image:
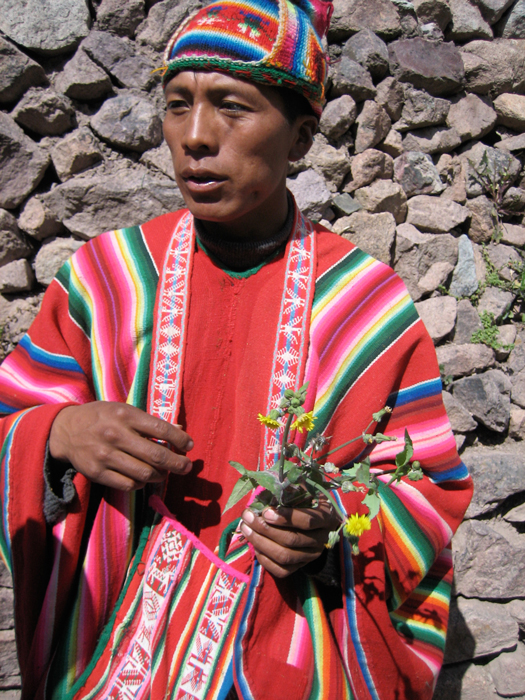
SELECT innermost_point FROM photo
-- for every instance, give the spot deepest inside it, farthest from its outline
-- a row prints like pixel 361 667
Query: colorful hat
pixel 274 42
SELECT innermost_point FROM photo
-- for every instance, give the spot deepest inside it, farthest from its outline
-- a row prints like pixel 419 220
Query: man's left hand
pixel 285 539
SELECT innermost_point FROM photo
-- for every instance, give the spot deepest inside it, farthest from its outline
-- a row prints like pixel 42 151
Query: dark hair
pixel 294 104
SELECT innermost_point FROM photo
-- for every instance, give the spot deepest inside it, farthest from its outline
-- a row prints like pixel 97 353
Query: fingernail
pixel 270 514
pixel 247 531
pixel 189 445
pixel 248 516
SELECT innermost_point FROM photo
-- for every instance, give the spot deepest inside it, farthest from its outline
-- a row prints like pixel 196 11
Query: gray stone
pixel 508 672
pixel 472 117
pixel 517 610
pixel 517 427
pixel 370 51
pixel 350 78
pixel 512 26
pixel 487 396
pixel 489 561
pixel 338 116
pixel 460 360
pixel 506 338
pixel 368 166
pixel 518 388
pixel 511 110
pixel 439 315
pixel 466 681
pixel 516 362
pixel 18 72
pixel 160 159
pixel 428 65
pixel 6 609
pixel 37 220
pixel 373 124
pixel 10 677
pixel 351 16
pixel 467 22
pixel 421 110
pixel 436 276
pixel 13 245
pixel 117 56
pixel 15 318
pixel 478 628
pixel 460 419
pixel 52 255
pixel 494 66
pixel 391 96
pixel 345 204
pixel 392 144
pixel 44 111
pixel 128 122
pixel 74 153
pixel 433 12
pixel 503 257
pixel 22 163
pixel 5 577
pixel 495 301
pixel 120 16
pixel 373 233
pixel 434 214
pixel 381 196
pixel 492 10
pixel 433 139
pixel 483 219
pixel 16 276
pixel 81 79
pixel 452 173
pixel 163 18
pixel 514 200
pixel 332 163
pixel 311 194
pixel 467 322
pixel 46 26
pixel 517 514
pixel 117 196
pixel 417 174
pixel 486 167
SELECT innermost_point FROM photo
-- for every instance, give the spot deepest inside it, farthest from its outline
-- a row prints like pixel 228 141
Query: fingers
pixel 153 427
pixel 289 537
pixel 318 518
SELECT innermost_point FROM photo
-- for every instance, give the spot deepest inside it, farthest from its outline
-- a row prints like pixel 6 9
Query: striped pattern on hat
pixel 274 42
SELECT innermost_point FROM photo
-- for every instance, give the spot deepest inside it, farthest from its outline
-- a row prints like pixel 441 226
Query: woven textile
pixel 274 42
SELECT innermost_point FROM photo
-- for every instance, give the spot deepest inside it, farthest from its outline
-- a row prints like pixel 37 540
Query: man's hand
pixel 109 443
pixel 288 538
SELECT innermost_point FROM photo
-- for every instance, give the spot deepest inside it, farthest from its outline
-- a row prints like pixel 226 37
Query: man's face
pixel 230 143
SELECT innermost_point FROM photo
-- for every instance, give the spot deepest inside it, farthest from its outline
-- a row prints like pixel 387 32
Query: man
pixel 160 344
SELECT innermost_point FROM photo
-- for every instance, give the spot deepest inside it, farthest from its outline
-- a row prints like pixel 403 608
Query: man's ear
pixel 304 131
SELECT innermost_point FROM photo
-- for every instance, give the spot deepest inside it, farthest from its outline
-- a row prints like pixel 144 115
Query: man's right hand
pixel 111 444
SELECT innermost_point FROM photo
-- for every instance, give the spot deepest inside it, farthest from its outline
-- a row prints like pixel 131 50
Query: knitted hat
pixel 274 42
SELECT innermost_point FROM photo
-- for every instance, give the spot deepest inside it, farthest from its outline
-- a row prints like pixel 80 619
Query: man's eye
pixel 231 106
pixel 177 104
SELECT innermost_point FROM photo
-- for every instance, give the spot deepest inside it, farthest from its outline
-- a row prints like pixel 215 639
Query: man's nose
pixel 201 133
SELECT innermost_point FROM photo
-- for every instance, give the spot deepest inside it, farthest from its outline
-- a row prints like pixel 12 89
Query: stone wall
pixel 419 160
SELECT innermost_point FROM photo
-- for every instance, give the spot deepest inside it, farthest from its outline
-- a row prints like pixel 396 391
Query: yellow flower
pixel 270 422
pixel 357 524
pixel 306 421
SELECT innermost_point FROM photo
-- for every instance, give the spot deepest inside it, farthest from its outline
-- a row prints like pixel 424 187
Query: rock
pixel 373 233
pixel 436 276
pixel 421 109
pixel 452 172
pixel 6 609
pixel 511 110
pixel 508 672
pixel 513 143
pixel 351 16
pixel 160 158
pixel 487 167
pixel 392 144
pixel 483 221
pixel 472 117
pixel 514 199
pixel 435 215
pixel 467 22
pixel 118 196
pixel 495 301
pixel 512 26
pixel 516 362
pixel 16 276
pixel 369 166
pixel 467 322
pixel 120 16
pixel 18 72
pixel 74 153
pixel 345 204
pixel 494 66
pixel 117 56
pixel 460 360
pixel 15 318
pixel 128 122
pixel 52 255
pixel 332 163
pixel 517 515
pixel 465 681
pixel 163 18
pixel 513 235
pixel 391 97
pixel 350 78
pixel 381 196
pixel 47 27
pixel 518 388
pixel 81 79
pixel 478 628
pixel 44 111
pixel 489 561
pixel 487 396
pixel 417 174
pixel 10 669
pixel 373 124
pixel 433 11
pixel 503 257
pixel 22 163
pixel 13 245
pixel 370 51
pixel 434 139
pixel 37 220
pixel 439 315
pixel 311 194
pixel 428 65
pixel 506 338
pixel 460 419
pixel 338 116
pixel 493 9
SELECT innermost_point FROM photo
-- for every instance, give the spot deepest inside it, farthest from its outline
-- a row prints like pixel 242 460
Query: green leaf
pixel 379 437
pixel 242 470
pixel 294 474
pixel 267 480
pixel 241 488
pixel 373 502
pixel 405 456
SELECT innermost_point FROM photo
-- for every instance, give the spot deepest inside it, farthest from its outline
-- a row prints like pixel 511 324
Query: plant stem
pixel 329 496
pixel 289 421
pixel 359 437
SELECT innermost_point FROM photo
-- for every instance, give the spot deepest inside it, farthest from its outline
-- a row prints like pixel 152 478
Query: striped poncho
pixel 122 600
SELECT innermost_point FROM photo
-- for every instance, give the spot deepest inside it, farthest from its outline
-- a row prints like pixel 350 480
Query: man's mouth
pixel 203 179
